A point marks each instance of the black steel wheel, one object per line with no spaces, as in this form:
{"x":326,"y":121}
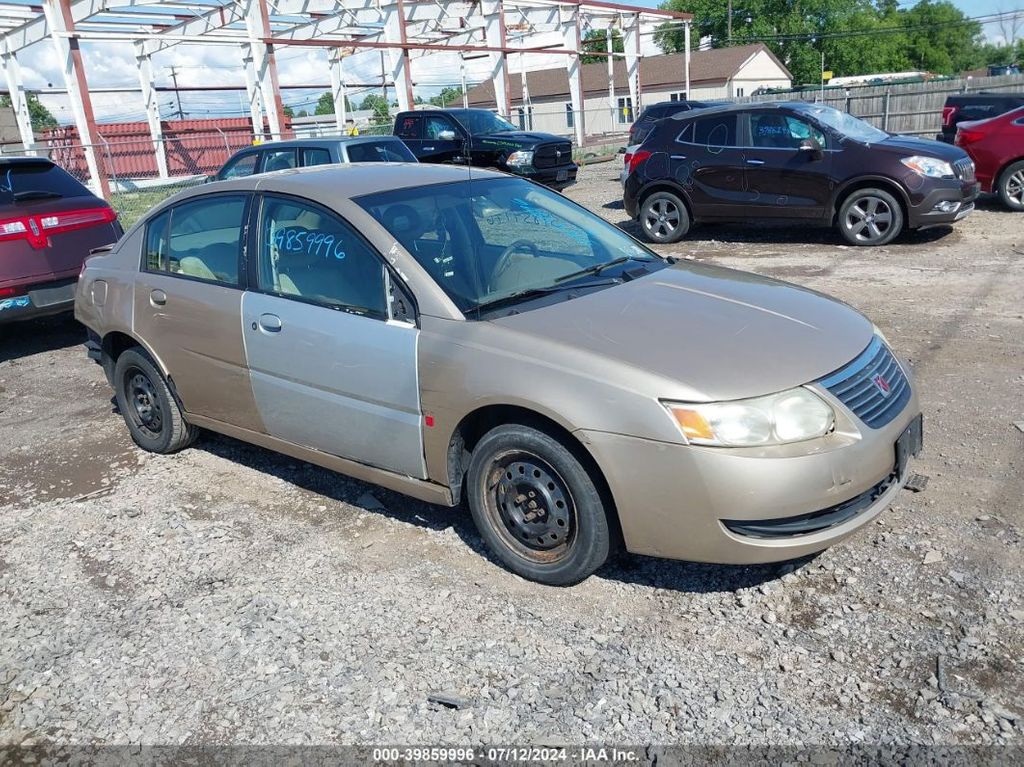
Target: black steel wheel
{"x":537,"y":506}
{"x":153,"y":416}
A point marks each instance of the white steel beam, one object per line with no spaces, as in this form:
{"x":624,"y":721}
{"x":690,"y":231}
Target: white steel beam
{"x":252,"y":91}
{"x":401,"y":75}
{"x":571,"y":41}
{"x":338,"y":88}
{"x":19,"y":101}
{"x":610,"y":48}
{"x":213,"y":20}
{"x":60,"y":23}
{"x":686,"y":57}
{"x":152,"y":105}
{"x":494,"y":33}
{"x":631,"y":44}
{"x":257,"y":25}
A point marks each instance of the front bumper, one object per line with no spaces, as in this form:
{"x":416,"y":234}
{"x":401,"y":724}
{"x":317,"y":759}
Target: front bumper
{"x":945,"y":205}
{"x":706,"y":504}
{"x":558,"y":177}
{"x":39,"y":300}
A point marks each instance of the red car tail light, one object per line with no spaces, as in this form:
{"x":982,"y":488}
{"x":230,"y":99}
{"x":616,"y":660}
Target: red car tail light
{"x":37,"y":229}
{"x":633,"y":159}
{"x":967,"y":136}
{"x":948,"y":113}
{"x":11,"y":292}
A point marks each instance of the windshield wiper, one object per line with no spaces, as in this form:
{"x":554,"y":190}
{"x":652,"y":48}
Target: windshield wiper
{"x":528,"y":293}
{"x":36,"y":194}
{"x":598,"y":268}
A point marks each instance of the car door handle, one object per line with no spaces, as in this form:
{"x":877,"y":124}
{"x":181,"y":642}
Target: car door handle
{"x":755,"y":162}
{"x":428,"y":149}
{"x":157,"y":297}
{"x":677,"y":156}
{"x":270,"y":323}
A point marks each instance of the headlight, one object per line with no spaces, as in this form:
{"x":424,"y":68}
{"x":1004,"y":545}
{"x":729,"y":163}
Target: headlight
{"x":928,"y":166}
{"x":519,"y":159}
{"x":790,"y":416}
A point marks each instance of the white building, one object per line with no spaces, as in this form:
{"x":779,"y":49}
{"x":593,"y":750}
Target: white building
{"x":719,"y":73}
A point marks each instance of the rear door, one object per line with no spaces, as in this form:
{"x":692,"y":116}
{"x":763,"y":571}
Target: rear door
{"x":706,"y":160}
{"x":329,"y":368}
{"x":783,"y":180}
{"x":188,"y":303}
{"x":409,"y":128}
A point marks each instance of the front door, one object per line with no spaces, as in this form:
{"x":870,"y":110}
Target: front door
{"x":442,"y":139}
{"x":329,"y":369}
{"x":188,"y":298}
{"x":787,"y":181}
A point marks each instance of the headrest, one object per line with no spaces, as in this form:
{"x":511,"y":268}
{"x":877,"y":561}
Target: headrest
{"x":403,"y":222}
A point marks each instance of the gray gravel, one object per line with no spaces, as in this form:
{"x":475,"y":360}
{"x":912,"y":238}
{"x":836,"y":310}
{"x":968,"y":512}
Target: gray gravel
{"x":228,"y":595}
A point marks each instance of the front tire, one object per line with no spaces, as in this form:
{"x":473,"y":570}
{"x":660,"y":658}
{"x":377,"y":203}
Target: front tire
{"x":150,"y":410}
{"x":1011,"y":186}
{"x":537,"y":507}
{"x":664,"y":218}
{"x":870,"y":217}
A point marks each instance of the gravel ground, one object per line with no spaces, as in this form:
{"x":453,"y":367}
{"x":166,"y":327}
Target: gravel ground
{"x":229,"y":595}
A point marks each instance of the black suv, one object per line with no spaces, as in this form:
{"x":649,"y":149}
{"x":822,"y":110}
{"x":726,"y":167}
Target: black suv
{"x":974,"y":106}
{"x":644,"y":124}
{"x":481,"y":138}
{"x":794,"y":160}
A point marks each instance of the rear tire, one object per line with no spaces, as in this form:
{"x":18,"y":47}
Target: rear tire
{"x":870,"y":217}
{"x":151,"y":412}
{"x":1011,"y":186}
{"x":537,"y":507}
{"x":664,"y":218}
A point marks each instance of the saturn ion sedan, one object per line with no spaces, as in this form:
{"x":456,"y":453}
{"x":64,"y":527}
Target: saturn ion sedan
{"x":478,"y":337}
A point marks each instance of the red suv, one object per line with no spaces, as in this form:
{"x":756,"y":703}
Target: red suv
{"x":48,"y":224}
{"x":997,"y":147}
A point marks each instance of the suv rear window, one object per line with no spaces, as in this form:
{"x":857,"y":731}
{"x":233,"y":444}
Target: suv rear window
{"x":23,"y":181}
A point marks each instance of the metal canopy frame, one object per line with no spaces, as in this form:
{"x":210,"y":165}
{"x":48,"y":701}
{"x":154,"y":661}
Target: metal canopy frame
{"x":405,"y":30}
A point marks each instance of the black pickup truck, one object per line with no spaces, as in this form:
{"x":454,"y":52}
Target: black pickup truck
{"x":479,"y":137}
{"x":975,"y":106}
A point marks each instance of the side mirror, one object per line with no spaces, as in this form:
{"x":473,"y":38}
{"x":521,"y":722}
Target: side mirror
{"x":812,"y":148}
{"x":446,"y":135}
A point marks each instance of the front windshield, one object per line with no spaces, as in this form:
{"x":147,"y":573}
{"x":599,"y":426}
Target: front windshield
{"x":846,"y":124}
{"x":491,"y":240}
{"x":479,"y":122}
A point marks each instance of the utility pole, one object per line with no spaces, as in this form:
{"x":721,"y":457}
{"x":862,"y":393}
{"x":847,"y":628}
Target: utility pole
{"x":177,"y":93}
{"x":728,"y":21}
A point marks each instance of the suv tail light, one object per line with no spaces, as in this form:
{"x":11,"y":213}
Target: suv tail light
{"x":632,"y":159}
{"x":11,"y":292}
{"x":968,"y":136}
{"x":38,"y":228}
{"x":948,"y":113}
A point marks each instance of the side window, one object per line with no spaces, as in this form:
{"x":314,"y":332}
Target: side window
{"x":376,"y":151}
{"x":773,"y":130}
{"x":434,"y":126}
{"x":278,"y":159}
{"x":205,"y":238}
{"x":409,"y":127}
{"x":155,"y":256}
{"x":315,"y":156}
{"x":305,"y":252}
{"x":241,"y":166}
{"x":713,"y":132}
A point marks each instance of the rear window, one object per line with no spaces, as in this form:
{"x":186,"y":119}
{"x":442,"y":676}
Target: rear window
{"x":37,"y":181}
{"x":380,"y":151}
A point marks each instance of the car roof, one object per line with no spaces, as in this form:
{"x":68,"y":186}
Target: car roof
{"x":23,"y":160}
{"x":328,"y":183}
{"x":319,"y":141}
{"x":800,"y":106}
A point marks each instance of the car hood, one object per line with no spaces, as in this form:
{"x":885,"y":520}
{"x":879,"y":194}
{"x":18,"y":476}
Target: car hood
{"x":909,"y":145}
{"x":522,"y":137}
{"x":723,"y":334}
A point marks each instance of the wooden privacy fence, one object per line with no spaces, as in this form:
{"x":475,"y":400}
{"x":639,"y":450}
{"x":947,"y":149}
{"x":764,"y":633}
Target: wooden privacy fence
{"x":913,"y":108}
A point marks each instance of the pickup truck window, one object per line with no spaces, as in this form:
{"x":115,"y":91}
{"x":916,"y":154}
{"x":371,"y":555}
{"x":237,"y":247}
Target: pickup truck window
{"x":409,"y":127}
{"x":435,"y":125}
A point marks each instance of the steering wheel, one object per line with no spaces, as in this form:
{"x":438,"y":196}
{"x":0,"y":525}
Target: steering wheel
{"x":519,"y":246}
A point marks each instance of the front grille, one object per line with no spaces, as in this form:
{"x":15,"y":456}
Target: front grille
{"x":550,"y":155}
{"x":873,"y":386}
{"x":816,"y":521}
{"x":964,"y":169}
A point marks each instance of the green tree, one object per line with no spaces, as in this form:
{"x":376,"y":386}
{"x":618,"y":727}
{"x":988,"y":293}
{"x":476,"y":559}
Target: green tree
{"x":597,"y":40}
{"x":940,"y":38}
{"x":447,"y":97}
{"x":325,"y":104}
{"x":379,"y":105}
{"x":288,"y":111}
{"x":38,"y":114}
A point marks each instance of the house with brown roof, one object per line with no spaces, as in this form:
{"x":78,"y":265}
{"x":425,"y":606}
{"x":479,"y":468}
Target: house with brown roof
{"x":718,"y":73}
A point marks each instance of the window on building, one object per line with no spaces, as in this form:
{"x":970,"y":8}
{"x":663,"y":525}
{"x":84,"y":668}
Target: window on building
{"x":740,"y":93}
{"x":677,"y":96}
{"x":570,"y":118}
{"x":625,"y":110}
